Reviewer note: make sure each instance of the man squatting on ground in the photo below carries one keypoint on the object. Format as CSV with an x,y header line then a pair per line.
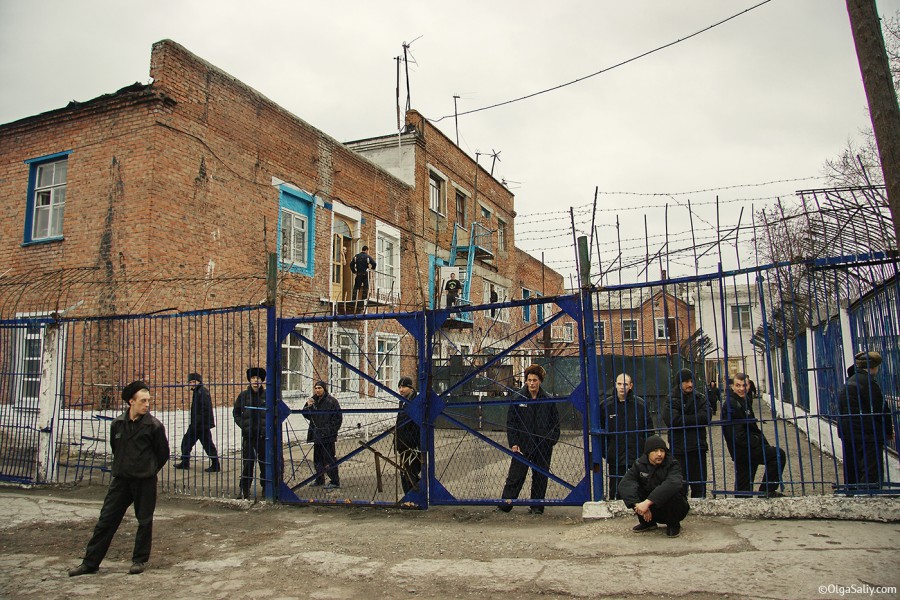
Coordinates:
x,y
140,449
654,489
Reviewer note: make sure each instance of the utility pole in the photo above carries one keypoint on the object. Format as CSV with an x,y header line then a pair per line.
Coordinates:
x,y
456,119
880,94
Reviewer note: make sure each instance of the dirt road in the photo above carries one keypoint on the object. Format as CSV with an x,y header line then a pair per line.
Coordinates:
x,y
231,549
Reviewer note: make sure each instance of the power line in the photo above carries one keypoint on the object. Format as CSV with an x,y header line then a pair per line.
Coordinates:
x,y
624,62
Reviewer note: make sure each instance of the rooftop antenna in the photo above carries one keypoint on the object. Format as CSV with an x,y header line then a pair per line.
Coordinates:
x,y
496,157
397,93
406,55
456,118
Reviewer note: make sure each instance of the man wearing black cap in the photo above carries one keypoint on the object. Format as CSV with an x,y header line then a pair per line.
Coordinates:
x,y
140,449
323,412
250,415
747,445
360,265
653,488
407,435
200,427
864,424
687,414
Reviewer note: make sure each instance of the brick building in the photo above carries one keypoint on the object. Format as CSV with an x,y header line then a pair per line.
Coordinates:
x,y
171,195
643,322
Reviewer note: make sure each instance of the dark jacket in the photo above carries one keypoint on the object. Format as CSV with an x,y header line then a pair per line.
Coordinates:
x,y
687,416
740,429
249,412
643,481
201,409
140,448
361,262
628,425
532,426
324,418
407,433
864,415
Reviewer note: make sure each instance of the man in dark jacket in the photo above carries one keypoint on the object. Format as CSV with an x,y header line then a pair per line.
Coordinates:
x,y
360,266
864,425
714,395
200,427
628,424
532,429
324,415
687,414
747,445
249,414
406,440
653,488
140,449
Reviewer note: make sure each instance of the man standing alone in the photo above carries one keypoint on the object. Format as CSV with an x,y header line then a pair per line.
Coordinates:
x,y
200,427
324,415
249,415
140,449
360,266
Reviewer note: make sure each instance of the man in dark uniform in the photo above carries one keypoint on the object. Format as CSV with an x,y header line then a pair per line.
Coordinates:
x,y
687,414
628,424
864,424
200,427
250,415
140,449
532,429
747,445
360,265
452,288
407,435
653,488
324,415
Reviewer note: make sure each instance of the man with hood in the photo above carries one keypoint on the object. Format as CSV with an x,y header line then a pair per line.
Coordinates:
x,y
407,435
627,422
653,488
323,412
200,427
532,429
864,424
250,416
140,449
687,414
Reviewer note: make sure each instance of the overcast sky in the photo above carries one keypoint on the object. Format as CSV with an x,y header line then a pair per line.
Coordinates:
x,y
768,96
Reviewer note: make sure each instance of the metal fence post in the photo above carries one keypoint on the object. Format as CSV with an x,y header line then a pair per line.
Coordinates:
x,y
48,405
589,364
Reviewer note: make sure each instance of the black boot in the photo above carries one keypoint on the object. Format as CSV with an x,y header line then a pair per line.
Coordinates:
x,y
184,463
214,467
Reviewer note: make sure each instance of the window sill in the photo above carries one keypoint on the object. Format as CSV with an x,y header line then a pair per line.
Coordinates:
x,y
42,241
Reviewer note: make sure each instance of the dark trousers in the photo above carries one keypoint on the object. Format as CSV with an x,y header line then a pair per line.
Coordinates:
x,y
361,283
671,512
515,479
693,471
862,461
122,493
410,468
615,472
323,458
451,300
204,436
253,450
745,468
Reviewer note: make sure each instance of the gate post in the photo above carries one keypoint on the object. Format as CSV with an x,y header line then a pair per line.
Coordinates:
x,y
589,369
273,379
48,405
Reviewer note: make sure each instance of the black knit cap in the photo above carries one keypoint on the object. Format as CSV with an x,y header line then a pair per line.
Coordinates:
x,y
406,382
256,372
195,377
323,385
685,375
654,442
133,388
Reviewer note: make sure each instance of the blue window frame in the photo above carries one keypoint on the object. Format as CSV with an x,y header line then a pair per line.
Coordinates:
x,y
46,201
296,227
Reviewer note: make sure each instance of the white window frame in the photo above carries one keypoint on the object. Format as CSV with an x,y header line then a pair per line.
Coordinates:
x,y
461,193
485,212
501,235
637,330
663,333
294,223
437,204
600,330
740,317
343,382
387,359
49,199
387,274
297,382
